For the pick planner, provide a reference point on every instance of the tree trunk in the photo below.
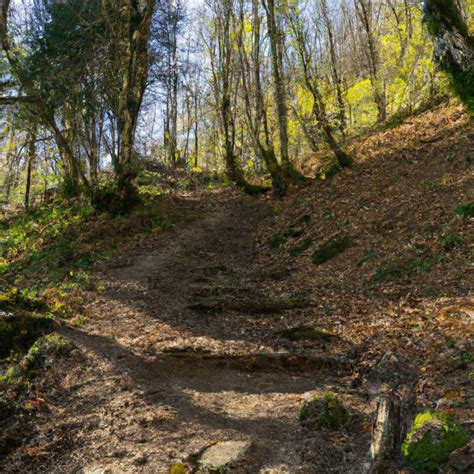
(364, 12)
(29, 167)
(279, 80)
(136, 23)
(454, 46)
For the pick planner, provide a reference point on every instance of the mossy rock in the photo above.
(20, 332)
(331, 249)
(328, 167)
(326, 412)
(434, 436)
(180, 468)
(306, 333)
(11, 376)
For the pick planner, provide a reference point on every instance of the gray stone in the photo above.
(223, 455)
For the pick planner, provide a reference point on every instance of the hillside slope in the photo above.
(222, 326)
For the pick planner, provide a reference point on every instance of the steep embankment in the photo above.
(221, 327)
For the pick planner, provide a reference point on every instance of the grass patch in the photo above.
(391, 270)
(331, 249)
(465, 210)
(52, 245)
(299, 249)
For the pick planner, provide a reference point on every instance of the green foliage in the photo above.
(277, 241)
(59, 243)
(325, 412)
(451, 242)
(433, 437)
(15, 299)
(10, 377)
(465, 210)
(329, 167)
(331, 249)
(391, 270)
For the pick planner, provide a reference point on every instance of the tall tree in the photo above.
(365, 13)
(255, 107)
(274, 15)
(309, 71)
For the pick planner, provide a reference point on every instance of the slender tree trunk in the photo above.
(334, 69)
(364, 12)
(136, 23)
(29, 167)
(279, 80)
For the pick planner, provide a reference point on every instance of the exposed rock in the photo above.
(223, 455)
(462, 460)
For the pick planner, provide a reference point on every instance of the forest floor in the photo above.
(191, 339)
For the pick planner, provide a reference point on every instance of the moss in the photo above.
(20, 332)
(12, 375)
(442, 14)
(179, 468)
(326, 412)
(433, 437)
(294, 232)
(330, 250)
(329, 167)
(391, 270)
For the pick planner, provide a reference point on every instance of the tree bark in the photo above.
(29, 168)
(276, 47)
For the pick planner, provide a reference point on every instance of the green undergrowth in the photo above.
(331, 249)
(324, 413)
(425, 254)
(21, 331)
(58, 244)
(465, 210)
(433, 437)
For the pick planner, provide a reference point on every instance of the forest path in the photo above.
(180, 352)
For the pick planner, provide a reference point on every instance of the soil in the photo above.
(207, 333)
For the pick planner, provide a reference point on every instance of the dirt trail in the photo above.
(180, 354)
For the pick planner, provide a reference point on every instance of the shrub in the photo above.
(325, 412)
(465, 210)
